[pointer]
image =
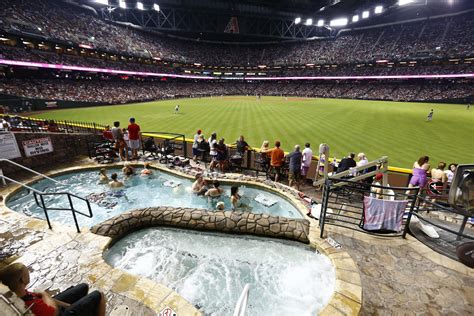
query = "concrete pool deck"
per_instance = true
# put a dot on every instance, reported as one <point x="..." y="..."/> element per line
<point x="374" y="275"/>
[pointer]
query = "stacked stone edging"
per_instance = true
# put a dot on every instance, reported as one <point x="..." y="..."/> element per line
<point x="199" y="219"/>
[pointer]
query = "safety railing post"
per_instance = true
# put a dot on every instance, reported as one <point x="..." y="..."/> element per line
<point x="73" y="212"/>
<point x="45" y="211"/>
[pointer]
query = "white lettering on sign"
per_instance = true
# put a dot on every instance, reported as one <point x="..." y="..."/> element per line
<point x="8" y="146"/>
<point x="39" y="146"/>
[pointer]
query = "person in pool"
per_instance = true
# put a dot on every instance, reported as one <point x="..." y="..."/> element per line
<point x="103" y="178"/>
<point x="215" y="191"/>
<point x="74" y="301"/>
<point x="115" y="183"/>
<point x="235" y="197"/>
<point x="128" y="170"/>
<point x="199" y="185"/>
<point x="146" y="170"/>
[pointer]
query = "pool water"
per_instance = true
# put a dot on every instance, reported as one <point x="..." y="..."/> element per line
<point x="211" y="269"/>
<point x="139" y="192"/>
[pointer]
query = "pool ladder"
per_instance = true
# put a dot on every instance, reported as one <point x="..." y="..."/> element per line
<point x="39" y="196"/>
<point x="241" y="305"/>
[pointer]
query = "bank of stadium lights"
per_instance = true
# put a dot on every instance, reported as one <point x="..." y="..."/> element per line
<point x="140" y="6"/>
<point x="156" y="7"/>
<point x="378" y="9"/>
<point x="355" y="18"/>
<point x="298" y="20"/>
<point x="309" y="22"/>
<point x="365" y="14"/>
<point x="404" y="2"/>
<point x="122" y="4"/>
<point x="339" y="22"/>
<point x="104" y="2"/>
<point x="320" y="22"/>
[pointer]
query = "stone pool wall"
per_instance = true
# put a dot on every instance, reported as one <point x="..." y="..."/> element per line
<point x="199" y="219"/>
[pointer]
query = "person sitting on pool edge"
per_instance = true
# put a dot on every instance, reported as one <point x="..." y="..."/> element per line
<point x="74" y="301"/>
<point x="115" y="183"/>
<point x="215" y="191"/>
<point x="103" y="178"/>
<point x="146" y="170"/>
<point x="199" y="185"/>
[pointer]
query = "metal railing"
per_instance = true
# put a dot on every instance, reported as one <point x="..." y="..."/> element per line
<point x="39" y="196"/>
<point x="343" y="204"/>
<point x="241" y="305"/>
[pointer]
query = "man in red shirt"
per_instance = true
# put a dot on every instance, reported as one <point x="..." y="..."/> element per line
<point x="107" y="133"/>
<point x="73" y="301"/>
<point x="277" y="158"/>
<point x="134" y="137"/>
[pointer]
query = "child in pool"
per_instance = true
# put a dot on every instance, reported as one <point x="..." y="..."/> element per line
<point x="146" y="171"/>
<point x="115" y="183"/>
<point x="103" y="178"/>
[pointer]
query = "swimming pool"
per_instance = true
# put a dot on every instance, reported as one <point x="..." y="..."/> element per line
<point x="138" y="192"/>
<point x="211" y="269"/>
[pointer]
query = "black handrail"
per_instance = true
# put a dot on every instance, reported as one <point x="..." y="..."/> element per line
<point x="43" y="206"/>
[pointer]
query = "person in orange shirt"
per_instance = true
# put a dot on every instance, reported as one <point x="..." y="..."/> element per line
<point x="277" y="158"/>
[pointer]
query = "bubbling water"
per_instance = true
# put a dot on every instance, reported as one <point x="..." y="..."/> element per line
<point x="211" y="269"/>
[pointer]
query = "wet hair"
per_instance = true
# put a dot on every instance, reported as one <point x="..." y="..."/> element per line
<point x="116" y="123"/>
<point x="11" y="275"/>
<point x="277" y="143"/>
<point x="442" y="165"/>
<point x="103" y="171"/>
<point x="114" y="176"/>
<point x="422" y="160"/>
<point x="216" y="184"/>
<point x="234" y="189"/>
<point x="307" y="145"/>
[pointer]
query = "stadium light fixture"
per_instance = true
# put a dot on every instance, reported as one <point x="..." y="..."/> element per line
<point x="156" y="7"/>
<point x="298" y="20"/>
<point x="309" y="21"/>
<point x="140" y="6"/>
<point x="122" y="4"/>
<point x="338" y="22"/>
<point x="355" y="18"/>
<point x="404" y="2"/>
<point x="321" y="22"/>
<point x="365" y="14"/>
<point x="378" y="9"/>
<point x="104" y="2"/>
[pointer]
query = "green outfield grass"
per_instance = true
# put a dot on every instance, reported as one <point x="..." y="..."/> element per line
<point x="396" y="129"/>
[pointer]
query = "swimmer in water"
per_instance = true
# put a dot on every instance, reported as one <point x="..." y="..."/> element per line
<point x="103" y="178"/>
<point x="128" y="169"/>
<point x="215" y="191"/>
<point x="199" y="185"/>
<point x="146" y="170"/>
<point x="115" y="183"/>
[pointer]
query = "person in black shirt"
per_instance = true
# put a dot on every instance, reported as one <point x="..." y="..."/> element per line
<point x="242" y="146"/>
<point x="346" y="163"/>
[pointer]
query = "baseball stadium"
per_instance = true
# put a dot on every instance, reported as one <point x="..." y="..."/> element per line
<point x="254" y="157"/>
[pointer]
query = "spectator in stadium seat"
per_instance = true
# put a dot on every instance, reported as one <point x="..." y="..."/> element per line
<point x="450" y="172"/>
<point x="346" y="163"/>
<point x="438" y="174"/>
<point x="295" y="158"/>
<point x="134" y="137"/>
<point x="242" y="146"/>
<point x="74" y="301"/>
<point x="277" y="157"/>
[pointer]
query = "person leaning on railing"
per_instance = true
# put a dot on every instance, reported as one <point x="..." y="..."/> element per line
<point x="74" y="301"/>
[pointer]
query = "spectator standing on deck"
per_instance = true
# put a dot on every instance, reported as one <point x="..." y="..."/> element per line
<point x="346" y="163"/>
<point x="295" y="159"/>
<point x="277" y="157"/>
<point x="196" y="144"/>
<point x="120" y="144"/>
<point x="134" y="137"/>
<point x="307" y="157"/>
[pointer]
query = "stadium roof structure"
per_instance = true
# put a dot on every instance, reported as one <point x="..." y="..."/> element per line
<point x="263" y="20"/>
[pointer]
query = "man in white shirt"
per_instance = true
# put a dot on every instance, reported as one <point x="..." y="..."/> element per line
<point x="307" y="156"/>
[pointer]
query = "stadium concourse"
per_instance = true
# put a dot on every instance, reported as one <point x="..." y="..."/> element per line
<point x="92" y="53"/>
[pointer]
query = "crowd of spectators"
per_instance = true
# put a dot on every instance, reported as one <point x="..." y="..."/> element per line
<point x="123" y="91"/>
<point x="445" y="37"/>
